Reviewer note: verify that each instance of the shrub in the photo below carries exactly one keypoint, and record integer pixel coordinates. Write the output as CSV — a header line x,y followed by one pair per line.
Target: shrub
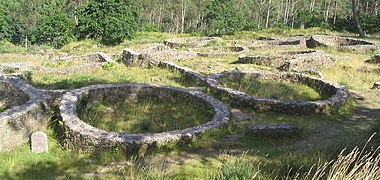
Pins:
x,y
56,30
111,21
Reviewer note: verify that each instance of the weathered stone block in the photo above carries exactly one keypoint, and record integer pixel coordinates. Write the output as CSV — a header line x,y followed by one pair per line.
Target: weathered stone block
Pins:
x,y
39,142
278,130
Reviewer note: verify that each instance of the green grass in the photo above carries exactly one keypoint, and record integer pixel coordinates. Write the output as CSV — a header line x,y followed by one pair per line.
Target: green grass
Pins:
x,y
144,115
275,89
118,74
62,63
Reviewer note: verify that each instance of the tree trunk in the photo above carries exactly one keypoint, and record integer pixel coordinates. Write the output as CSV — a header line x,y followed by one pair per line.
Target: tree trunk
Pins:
x,y
357,19
268,13
327,11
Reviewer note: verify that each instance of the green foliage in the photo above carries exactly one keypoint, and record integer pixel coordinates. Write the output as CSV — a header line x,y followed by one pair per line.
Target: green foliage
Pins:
x,y
7,30
223,17
56,30
7,47
111,21
151,27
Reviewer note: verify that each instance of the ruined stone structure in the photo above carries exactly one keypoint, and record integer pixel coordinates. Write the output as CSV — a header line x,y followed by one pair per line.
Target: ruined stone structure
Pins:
x,y
91,61
283,42
88,138
341,43
278,130
299,61
26,112
221,51
190,42
337,95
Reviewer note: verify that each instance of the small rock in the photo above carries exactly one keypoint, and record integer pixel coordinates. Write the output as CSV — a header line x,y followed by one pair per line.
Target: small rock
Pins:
x,y
376,85
39,142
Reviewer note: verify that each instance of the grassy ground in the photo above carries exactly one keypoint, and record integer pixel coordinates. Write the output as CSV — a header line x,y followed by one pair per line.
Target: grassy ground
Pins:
x,y
223,153
144,115
275,89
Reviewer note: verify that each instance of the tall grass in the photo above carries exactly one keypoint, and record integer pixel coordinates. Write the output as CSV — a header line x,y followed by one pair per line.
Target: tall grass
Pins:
x,y
357,164
275,89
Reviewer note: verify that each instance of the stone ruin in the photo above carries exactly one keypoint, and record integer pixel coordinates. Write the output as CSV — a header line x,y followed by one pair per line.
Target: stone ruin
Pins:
x,y
84,137
221,51
90,61
26,108
341,43
26,112
279,42
299,61
190,42
337,95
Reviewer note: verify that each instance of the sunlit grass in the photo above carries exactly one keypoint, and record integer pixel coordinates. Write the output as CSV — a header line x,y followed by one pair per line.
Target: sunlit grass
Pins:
x,y
144,115
119,74
273,89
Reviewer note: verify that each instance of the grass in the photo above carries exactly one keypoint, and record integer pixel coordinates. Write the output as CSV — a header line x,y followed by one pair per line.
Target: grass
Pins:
x,y
144,115
118,74
62,63
274,89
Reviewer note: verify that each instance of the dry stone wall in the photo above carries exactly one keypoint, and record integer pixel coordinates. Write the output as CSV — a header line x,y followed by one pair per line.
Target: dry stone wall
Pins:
x,y
292,60
337,95
88,138
26,116
341,43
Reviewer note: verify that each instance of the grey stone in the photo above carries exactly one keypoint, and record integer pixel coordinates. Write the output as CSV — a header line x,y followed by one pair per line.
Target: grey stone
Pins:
x,y
376,85
278,130
39,142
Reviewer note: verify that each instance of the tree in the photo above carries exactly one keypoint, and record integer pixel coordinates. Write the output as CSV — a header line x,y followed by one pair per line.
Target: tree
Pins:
x,y
111,21
6,29
223,17
357,19
56,30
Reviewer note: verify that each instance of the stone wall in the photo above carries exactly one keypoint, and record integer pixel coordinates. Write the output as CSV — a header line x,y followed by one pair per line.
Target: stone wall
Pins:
x,y
189,41
341,43
210,52
18,122
84,137
337,95
292,60
91,61
189,74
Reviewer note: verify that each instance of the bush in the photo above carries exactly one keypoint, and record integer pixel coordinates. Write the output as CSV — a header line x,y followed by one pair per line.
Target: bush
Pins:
x,y
111,21
223,17
56,30
151,27
6,29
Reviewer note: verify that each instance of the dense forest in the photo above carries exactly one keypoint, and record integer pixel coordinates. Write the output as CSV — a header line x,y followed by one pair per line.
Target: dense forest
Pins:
x,y
57,22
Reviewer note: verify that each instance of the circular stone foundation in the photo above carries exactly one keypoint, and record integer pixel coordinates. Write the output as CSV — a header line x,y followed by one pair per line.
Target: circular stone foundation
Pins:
x,y
336,95
189,41
23,112
221,51
85,137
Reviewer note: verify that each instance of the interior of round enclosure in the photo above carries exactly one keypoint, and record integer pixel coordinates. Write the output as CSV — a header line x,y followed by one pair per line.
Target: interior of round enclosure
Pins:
x,y
86,137
11,96
286,84
329,96
134,109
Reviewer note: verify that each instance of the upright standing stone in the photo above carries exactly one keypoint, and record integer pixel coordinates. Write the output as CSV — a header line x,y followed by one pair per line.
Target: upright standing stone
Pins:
x,y
39,142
